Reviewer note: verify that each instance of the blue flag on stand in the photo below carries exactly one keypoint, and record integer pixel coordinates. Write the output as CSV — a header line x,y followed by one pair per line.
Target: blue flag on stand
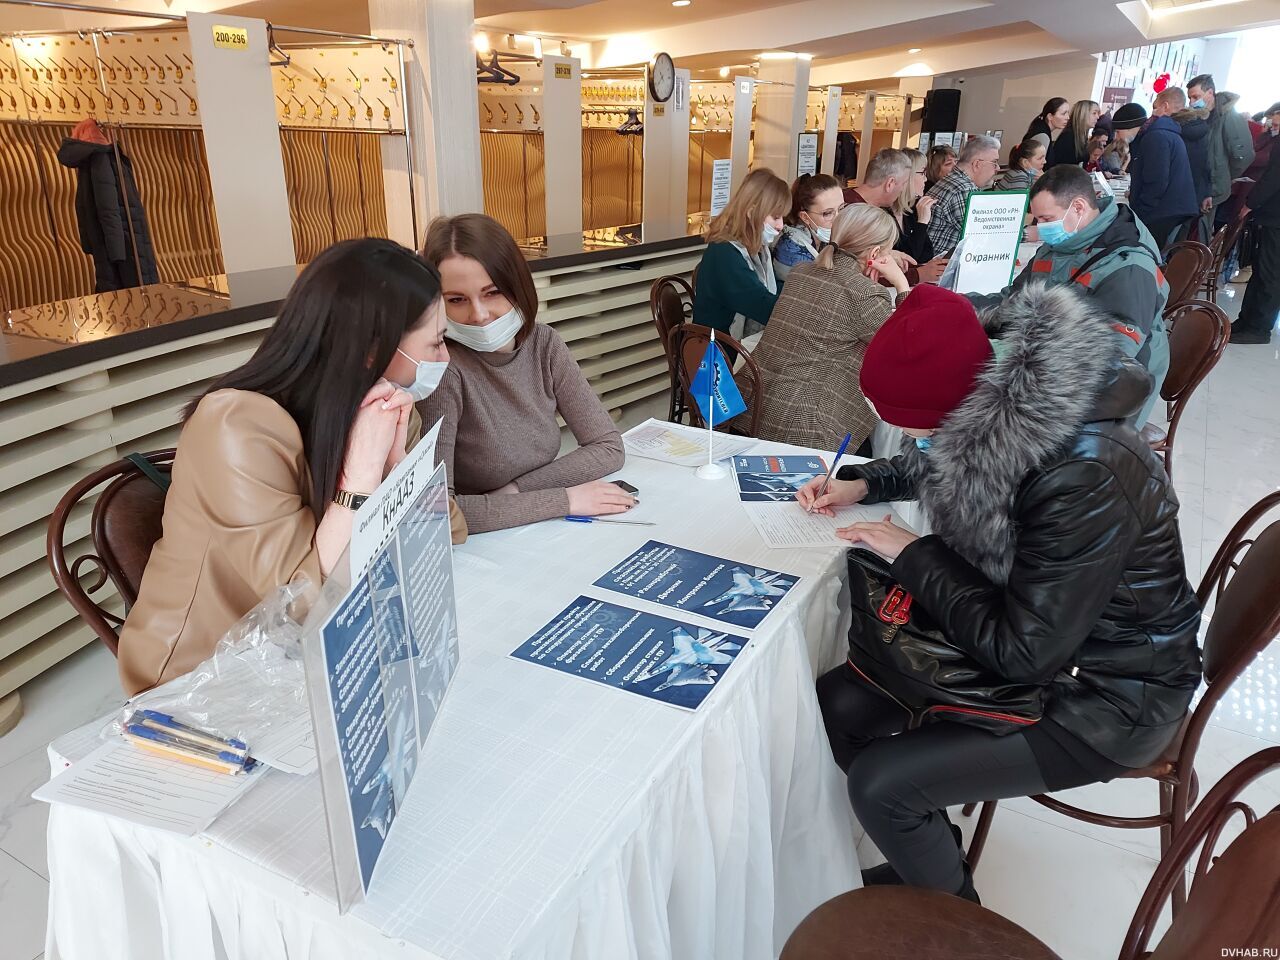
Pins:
x,y
714,384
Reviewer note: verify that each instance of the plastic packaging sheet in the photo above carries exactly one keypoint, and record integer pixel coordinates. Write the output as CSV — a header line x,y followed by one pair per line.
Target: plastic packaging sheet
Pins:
x,y
251,689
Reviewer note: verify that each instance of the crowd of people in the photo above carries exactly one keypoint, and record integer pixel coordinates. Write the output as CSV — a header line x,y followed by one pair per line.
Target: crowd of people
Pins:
x,y
1054,568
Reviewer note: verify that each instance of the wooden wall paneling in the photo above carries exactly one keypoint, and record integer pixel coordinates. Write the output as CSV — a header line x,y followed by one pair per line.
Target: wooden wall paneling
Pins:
x,y
612,178
705,147
338,200
514,181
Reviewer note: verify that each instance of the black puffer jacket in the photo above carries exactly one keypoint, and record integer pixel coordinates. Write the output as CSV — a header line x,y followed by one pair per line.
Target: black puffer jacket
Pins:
x,y
104,220
1055,557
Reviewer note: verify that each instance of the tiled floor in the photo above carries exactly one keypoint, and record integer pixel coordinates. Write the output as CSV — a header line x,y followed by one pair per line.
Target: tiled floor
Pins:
x,y
1073,885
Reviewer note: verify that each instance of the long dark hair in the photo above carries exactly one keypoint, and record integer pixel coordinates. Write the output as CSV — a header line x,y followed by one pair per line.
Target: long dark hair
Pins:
x,y
337,331
486,241
806,187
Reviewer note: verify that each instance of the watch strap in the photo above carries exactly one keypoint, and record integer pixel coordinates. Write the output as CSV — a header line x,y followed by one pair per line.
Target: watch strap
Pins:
x,y
352,501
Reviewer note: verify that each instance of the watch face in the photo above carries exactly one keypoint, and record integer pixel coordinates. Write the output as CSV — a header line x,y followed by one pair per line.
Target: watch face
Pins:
x,y
662,77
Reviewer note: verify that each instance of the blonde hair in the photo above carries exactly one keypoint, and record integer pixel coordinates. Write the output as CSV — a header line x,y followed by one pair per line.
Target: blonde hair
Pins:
x,y
1080,125
762,194
907,198
858,228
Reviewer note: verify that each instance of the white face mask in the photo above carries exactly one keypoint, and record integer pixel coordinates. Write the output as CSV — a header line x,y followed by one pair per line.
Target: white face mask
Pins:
x,y
427,378
823,234
769,234
494,335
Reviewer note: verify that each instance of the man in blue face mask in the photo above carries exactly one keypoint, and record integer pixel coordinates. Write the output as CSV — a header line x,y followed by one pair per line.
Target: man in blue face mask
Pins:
x,y
1100,247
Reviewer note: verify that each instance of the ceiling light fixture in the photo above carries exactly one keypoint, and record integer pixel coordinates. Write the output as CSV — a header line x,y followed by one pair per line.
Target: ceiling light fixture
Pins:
x,y
1161,12
482,43
724,72
681,3
915,49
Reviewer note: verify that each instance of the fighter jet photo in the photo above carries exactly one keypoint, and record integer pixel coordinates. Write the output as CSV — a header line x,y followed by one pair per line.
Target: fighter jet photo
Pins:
x,y
752,591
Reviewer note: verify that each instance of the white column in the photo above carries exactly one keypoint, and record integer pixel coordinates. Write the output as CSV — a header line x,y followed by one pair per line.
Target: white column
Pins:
x,y
562,143
666,162
832,131
444,112
781,103
868,131
242,143
740,144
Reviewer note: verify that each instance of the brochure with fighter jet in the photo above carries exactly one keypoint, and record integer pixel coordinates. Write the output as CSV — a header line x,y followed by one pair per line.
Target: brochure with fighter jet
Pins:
x,y
775,479
738,594
642,653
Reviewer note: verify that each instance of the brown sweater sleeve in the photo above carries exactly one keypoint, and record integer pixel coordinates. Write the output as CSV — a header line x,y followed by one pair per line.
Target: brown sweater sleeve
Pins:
x,y
600,450
483,512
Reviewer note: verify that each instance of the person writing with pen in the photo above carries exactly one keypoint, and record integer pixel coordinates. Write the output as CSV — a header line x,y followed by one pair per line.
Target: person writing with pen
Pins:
x,y
1055,570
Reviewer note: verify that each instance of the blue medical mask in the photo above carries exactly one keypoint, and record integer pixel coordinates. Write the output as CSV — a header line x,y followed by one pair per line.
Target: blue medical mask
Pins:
x,y
1055,231
923,443
823,234
427,377
1198,104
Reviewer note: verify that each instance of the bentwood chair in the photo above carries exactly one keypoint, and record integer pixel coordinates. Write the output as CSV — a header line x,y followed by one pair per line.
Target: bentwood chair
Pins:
x,y
688,344
1241,582
1224,241
1235,901
1185,266
123,527
1198,334
671,303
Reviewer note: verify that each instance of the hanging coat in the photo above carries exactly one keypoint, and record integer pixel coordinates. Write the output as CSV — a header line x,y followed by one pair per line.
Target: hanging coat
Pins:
x,y
103,219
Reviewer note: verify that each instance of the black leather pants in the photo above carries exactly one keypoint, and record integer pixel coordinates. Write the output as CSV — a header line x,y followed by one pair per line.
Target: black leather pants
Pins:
x,y
901,783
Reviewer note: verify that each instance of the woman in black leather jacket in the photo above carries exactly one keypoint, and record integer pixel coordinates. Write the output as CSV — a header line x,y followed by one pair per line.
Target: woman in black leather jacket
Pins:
x,y
1055,561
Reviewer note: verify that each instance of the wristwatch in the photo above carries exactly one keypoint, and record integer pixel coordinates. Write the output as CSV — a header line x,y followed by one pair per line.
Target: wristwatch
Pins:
x,y
352,501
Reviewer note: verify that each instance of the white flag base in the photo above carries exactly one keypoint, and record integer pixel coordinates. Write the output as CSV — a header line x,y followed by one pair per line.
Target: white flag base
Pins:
x,y
711,471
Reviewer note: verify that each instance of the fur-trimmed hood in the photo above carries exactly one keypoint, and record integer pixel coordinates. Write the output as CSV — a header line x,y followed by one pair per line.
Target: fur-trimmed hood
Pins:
x,y
1057,366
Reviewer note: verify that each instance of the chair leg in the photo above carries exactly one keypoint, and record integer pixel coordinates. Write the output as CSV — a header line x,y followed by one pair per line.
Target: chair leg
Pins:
x,y
980,833
1168,832
968,809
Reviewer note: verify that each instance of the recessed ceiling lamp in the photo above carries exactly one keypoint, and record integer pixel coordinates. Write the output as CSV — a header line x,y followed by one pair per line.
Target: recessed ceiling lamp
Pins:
x,y
482,43
724,72
681,3
1168,11
914,49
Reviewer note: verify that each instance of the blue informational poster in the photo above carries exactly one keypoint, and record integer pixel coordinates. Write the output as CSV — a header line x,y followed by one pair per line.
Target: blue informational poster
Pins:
x,y
355,689
741,594
395,651
775,479
642,653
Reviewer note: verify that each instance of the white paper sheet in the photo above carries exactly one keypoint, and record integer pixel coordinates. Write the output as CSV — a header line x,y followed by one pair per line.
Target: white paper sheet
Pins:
x,y
678,444
289,746
122,781
787,525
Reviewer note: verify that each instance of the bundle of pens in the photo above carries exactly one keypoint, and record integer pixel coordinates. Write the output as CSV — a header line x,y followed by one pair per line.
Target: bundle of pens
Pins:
x,y
164,736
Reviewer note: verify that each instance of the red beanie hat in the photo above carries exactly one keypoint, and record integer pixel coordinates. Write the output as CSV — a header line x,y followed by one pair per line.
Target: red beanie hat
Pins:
x,y
924,360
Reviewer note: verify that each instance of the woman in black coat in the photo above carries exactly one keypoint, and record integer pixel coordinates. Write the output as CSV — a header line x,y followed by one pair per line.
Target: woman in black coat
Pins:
x,y
104,220
1054,566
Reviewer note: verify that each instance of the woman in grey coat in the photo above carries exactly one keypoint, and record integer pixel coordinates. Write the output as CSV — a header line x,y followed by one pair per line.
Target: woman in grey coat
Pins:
x,y
811,350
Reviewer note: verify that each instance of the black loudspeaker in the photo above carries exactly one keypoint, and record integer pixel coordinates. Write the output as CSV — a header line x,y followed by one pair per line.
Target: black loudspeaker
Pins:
x,y
941,111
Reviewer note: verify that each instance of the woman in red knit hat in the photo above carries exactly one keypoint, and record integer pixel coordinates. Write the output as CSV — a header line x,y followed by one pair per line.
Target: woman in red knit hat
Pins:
x,y
1044,635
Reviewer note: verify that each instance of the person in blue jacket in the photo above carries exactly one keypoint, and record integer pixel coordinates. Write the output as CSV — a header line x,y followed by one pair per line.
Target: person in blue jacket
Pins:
x,y
736,278
1161,189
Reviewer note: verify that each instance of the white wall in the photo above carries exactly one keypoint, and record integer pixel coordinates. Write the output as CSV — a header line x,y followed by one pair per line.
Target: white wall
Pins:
x,y
1218,54
1010,96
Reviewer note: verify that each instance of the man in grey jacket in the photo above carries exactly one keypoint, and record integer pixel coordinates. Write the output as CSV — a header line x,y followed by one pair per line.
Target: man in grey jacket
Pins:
x,y
1230,145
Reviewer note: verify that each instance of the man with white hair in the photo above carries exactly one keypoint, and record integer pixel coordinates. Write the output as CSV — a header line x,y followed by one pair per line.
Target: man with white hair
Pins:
x,y
977,166
887,176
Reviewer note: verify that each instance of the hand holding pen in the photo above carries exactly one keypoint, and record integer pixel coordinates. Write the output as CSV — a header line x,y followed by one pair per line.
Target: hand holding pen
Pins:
x,y
844,445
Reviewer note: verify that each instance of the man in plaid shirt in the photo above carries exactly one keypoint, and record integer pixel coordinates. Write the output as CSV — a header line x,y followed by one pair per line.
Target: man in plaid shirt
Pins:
x,y
977,167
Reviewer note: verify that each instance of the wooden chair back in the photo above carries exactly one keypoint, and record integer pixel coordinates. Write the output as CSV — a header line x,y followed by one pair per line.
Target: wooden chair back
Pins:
x,y
1198,334
123,528
671,303
1235,898
688,345
1185,266
1220,246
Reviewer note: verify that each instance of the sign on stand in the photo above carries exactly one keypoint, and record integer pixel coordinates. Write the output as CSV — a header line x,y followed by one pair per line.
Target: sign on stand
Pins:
x,y
988,251
807,155
721,171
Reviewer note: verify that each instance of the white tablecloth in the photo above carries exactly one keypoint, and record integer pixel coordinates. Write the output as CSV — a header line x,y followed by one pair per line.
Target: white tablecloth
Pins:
x,y
551,817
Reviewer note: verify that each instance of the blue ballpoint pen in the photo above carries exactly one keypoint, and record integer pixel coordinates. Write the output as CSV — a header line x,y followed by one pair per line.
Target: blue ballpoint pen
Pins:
x,y
636,523
167,721
156,736
844,445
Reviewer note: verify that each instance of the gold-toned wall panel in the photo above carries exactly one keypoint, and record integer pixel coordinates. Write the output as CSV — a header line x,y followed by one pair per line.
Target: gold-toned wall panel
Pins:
x,y
612,178
334,179
705,147
515,181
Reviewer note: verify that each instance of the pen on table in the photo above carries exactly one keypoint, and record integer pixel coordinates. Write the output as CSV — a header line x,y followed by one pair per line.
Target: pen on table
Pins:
x,y
636,523
179,745
162,721
844,445
182,754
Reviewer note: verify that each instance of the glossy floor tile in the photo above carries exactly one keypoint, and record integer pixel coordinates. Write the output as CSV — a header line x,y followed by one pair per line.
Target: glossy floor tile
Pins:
x,y
1073,885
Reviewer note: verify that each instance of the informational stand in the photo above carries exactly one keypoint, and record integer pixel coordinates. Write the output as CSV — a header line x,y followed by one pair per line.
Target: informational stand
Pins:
x,y
379,656
988,250
807,154
721,174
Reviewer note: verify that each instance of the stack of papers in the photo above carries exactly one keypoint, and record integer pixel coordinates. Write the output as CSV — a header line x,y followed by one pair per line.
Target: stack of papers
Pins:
x,y
681,445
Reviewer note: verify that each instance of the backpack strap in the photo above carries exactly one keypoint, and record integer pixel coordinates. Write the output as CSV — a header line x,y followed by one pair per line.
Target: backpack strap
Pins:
x,y
148,470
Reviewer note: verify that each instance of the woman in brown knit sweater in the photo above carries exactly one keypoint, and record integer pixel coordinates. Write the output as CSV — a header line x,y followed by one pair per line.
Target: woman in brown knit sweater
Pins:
x,y
508,378
811,350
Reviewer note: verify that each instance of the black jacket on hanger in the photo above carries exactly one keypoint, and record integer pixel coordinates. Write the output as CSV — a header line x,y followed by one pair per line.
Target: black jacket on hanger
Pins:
x,y
102,217
846,156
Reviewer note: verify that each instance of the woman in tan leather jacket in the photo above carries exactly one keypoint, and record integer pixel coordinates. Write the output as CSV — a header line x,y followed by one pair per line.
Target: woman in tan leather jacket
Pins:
x,y
271,451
